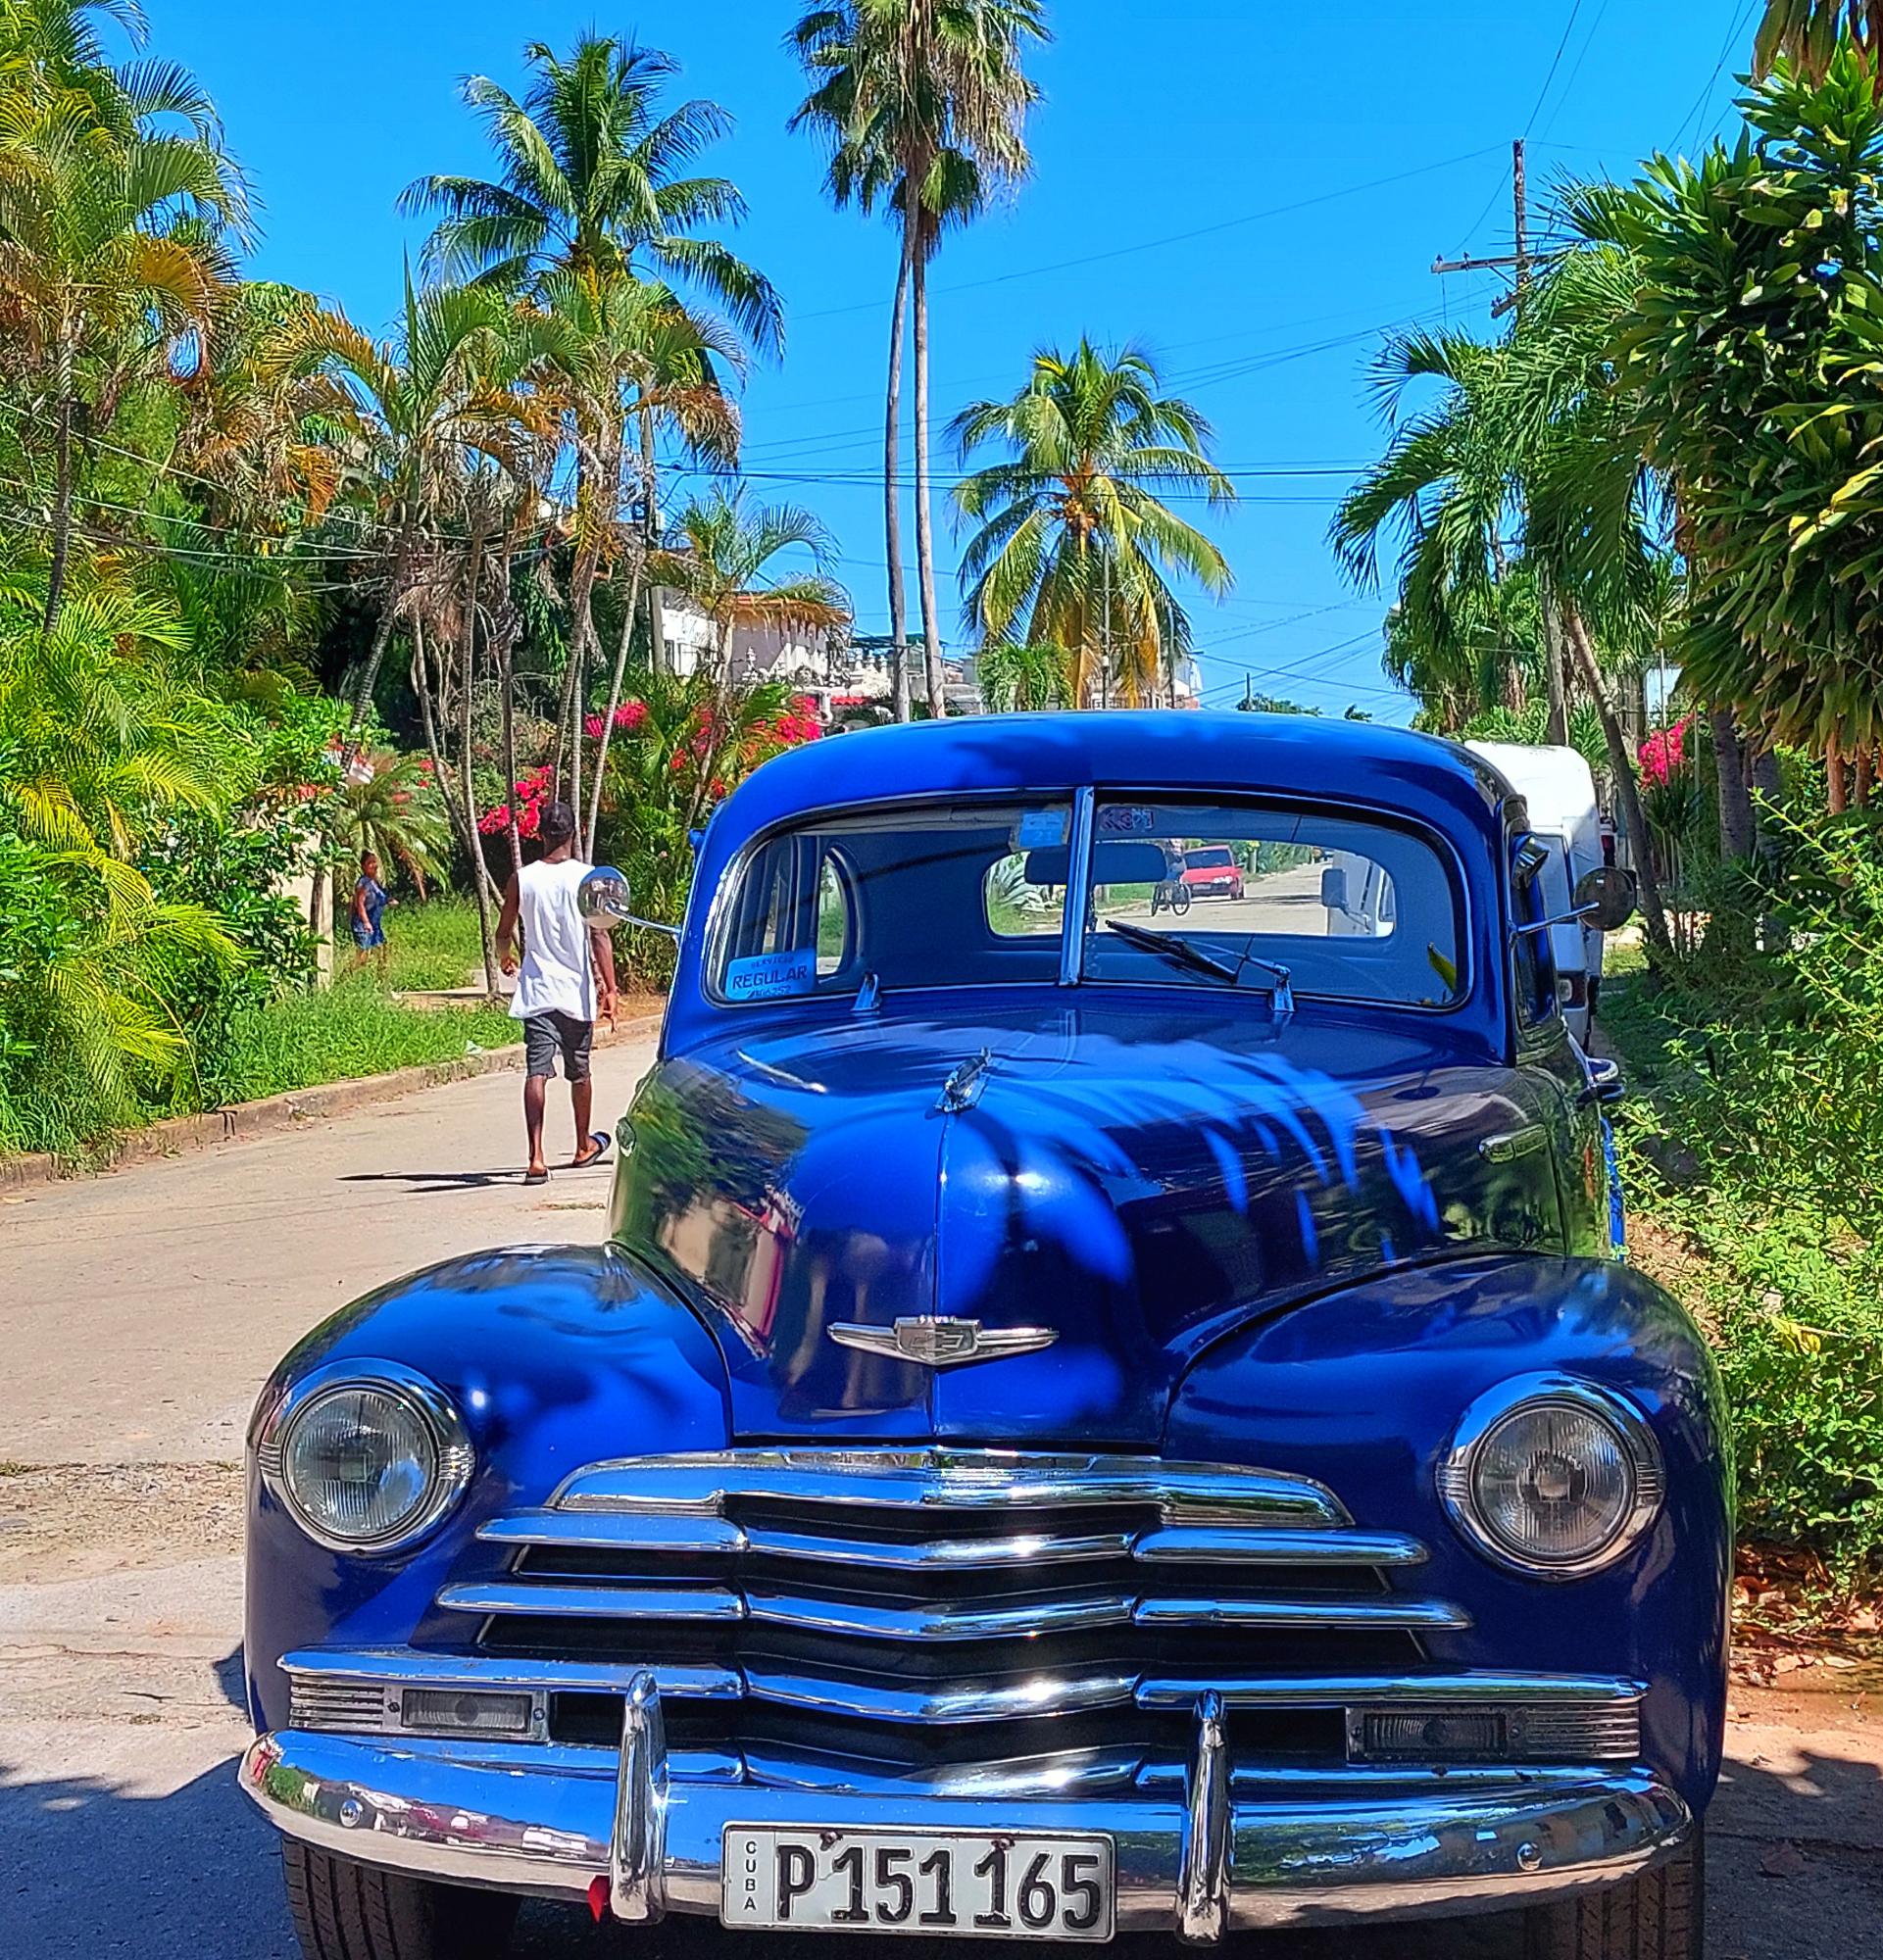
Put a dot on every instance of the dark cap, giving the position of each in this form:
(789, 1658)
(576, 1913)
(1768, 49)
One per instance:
(557, 826)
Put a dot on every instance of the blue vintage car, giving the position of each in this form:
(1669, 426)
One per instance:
(1090, 1417)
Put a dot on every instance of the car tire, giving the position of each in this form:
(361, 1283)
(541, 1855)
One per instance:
(1659, 1915)
(348, 1911)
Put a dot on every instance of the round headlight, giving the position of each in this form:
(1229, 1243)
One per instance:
(369, 1462)
(1554, 1476)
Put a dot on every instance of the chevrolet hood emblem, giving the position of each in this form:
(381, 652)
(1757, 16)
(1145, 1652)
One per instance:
(934, 1340)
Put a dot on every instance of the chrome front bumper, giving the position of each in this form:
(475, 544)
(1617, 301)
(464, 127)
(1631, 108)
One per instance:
(1223, 1854)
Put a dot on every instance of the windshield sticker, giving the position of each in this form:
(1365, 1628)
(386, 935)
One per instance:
(772, 976)
(1125, 820)
(1042, 829)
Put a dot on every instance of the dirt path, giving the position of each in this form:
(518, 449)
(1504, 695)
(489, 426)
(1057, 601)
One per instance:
(137, 1315)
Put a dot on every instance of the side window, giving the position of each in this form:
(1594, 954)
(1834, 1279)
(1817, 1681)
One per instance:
(1532, 962)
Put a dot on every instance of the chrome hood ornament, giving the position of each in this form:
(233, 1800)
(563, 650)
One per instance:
(939, 1340)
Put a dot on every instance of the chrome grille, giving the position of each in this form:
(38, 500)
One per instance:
(948, 1614)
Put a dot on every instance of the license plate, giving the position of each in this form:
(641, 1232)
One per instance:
(984, 1885)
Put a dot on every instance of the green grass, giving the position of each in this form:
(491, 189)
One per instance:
(345, 1031)
(429, 947)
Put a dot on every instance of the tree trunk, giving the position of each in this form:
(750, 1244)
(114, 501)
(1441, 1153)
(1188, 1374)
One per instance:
(381, 637)
(1556, 727)
(1738, 834)
(924, 525)
(1865, 776)
(479, 871)
(1654, 913)
(614, 681)
(1836, 800)
(892, 489)
(62, 486)
(506, 639)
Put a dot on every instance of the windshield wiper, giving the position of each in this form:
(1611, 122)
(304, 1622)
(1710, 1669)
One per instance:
(1182, 954)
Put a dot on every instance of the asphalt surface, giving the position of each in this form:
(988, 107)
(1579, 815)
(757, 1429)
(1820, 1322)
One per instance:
(137, 1315)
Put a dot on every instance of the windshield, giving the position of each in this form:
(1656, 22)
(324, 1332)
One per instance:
(974, 894)
(1344, 906)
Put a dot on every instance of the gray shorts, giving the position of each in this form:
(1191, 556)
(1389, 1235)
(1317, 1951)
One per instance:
(545, 1034)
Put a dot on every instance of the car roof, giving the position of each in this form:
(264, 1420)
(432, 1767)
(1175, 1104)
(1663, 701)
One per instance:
(1291, 755)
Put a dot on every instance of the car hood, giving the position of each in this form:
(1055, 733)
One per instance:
(1133, 1182)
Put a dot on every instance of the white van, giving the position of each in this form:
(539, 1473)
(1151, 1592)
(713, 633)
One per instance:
(1561, 792)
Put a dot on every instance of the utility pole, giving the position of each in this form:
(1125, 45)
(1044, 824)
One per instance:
(1519, 262)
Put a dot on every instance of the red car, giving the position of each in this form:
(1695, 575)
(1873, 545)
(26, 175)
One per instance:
(1213, 873)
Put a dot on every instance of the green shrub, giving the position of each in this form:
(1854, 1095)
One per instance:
(1759, 1136)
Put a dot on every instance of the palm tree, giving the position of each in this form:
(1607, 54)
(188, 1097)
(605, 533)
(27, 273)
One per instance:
(1024, 678)
(105, 232)
(445, 391)
(1447, 487)
(634, 358)
(717, 553)
(591, 182)
(1074, 549)
(1530, 430)
(923, 103)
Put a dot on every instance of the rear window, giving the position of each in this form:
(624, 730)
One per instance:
(1207, 860)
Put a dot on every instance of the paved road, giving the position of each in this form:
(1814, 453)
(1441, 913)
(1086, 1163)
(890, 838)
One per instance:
(137, 1314)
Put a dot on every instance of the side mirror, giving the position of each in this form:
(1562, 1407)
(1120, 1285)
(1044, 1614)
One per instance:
(1333, 888)
(1604, 898)
(602, 896)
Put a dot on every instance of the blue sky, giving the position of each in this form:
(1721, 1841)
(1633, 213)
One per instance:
(1250, 191)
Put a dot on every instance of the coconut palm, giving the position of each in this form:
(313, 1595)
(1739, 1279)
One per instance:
(635, 358)
(1073, 548)
(592, 184)
(923, 104)
(421, 407)
(718, 553)
(105, 232)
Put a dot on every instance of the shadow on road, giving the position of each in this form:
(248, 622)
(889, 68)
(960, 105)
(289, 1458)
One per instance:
(90, 1871)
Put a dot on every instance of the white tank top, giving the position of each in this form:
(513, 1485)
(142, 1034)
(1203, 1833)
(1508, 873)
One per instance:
(558, 974)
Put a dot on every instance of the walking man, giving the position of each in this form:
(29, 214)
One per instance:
(565, 961)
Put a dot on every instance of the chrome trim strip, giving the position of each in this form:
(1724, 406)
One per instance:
(572, 1531)
(1072, 1773)
(592, 1601)
(942, 1554)
(1383, 1609)
(957, 1701)
(408, 1667)
(914, 1621)
(940, 1477)
(637, 1844)
(1288, 1691)
(1078, 886)
(1235, 1545)
(1203, 1868)
(1295, 1859)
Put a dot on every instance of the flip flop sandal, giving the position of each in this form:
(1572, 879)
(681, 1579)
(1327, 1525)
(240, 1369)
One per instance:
(535, 1177)
(603, 1145)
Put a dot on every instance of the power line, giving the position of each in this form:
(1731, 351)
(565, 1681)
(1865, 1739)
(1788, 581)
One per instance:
(1569, 88)
(1556, 63)
(1173, 238)
(1733, 36)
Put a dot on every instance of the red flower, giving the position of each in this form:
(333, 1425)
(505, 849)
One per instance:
(494, 820)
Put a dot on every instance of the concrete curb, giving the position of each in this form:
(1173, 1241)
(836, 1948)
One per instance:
(242, 1122)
